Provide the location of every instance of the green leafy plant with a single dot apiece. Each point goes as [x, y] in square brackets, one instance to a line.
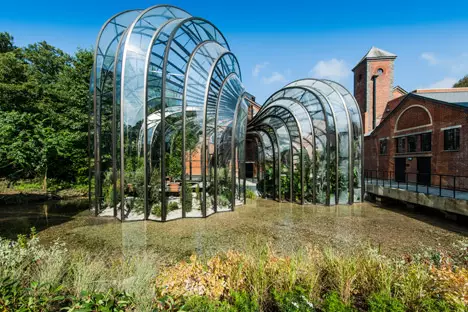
[102, 302]
[383, 302]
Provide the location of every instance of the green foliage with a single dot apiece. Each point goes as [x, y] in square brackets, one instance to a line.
[188, 205]
[102, 302]
[34, 297]
[198, 193]
[435, 305]
[204, 304]
[250, 194]
[172, 206]
[6, 42]
[383, 302]
[243, 302]
[156, 210]
[333, 303]
[44, 97]
[462, 83]
[292, 301]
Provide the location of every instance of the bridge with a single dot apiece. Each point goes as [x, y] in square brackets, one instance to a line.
[444, 192]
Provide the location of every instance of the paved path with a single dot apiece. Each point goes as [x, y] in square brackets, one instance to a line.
[412, 187]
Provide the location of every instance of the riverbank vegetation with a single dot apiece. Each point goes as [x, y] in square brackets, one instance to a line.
[44, 109]
[38, 278]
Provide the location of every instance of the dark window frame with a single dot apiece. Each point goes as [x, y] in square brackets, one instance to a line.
[401, 147]
[412, 143]
[423, 143]
[383, 146]
[452, 139]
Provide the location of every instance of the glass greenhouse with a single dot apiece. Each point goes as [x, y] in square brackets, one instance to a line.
[170, 126]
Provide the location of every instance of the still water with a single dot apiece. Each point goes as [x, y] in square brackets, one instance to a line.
[285, 227]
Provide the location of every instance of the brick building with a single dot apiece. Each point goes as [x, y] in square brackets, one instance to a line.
[410, 134]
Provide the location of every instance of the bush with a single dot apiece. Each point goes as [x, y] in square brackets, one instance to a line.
[204, 304]
[188, 197]
[156, 210]
[292, 301]
[102, 302]
[382, 302]
[172, 206]
[250, 194]
[333, 303]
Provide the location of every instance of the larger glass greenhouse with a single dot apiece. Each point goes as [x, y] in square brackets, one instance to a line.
[170, 126]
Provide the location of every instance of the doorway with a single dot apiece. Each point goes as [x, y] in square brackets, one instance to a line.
[424, 170]
[400, 169]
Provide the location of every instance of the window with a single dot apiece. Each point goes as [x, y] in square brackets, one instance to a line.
[383, 147]
[452, 139]
[412, 143]
[426, 142]
[401, 145]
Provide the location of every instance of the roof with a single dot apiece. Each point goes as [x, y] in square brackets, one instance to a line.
[402, 91]
[458, 96]
[428, 94]
[377, 54]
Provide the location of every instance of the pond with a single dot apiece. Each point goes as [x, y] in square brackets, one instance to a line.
[284, 227]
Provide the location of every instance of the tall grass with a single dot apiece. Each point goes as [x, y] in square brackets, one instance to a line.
[261, 279]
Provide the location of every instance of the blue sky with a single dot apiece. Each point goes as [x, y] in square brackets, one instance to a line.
[277, 42]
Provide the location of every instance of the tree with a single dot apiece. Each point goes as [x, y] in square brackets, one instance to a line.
[44, 101]
[6, 42]
[462, 83]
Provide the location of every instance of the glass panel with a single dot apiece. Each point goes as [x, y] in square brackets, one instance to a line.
[339, 183]
[195, 89]
[102, 117]
[230, 92]
[357, 138]
[133, 98]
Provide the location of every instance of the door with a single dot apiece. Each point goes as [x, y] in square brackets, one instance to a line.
[424, 170]
[400, 169]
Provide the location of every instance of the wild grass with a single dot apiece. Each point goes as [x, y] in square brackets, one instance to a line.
[54, 278]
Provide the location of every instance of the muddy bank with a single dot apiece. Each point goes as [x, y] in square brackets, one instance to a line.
[20, 198]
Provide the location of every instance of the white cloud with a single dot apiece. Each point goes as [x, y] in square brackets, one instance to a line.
[256, 70]
[275, 77]
[430, 58]
[447, 82]
[332, 69]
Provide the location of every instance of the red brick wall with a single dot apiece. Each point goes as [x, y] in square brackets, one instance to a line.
[384, 88]
[360, 88]
[363, 89]
[442, 162]
[413, 117]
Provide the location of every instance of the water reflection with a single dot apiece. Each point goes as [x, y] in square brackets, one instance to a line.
[18, 219]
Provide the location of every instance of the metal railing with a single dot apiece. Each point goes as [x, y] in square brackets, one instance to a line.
[443, 185]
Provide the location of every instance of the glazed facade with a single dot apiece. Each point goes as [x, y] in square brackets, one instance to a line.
[169, 125]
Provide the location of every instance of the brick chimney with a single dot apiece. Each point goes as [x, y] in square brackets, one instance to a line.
[373, 75]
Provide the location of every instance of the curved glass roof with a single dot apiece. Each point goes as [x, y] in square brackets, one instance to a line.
[170, 126]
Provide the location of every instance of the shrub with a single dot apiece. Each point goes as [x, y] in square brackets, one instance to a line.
[383, 302]
[250, 194]
[243, 302]
[35, 297]
[188, 197]
[333, 303]
[172, 206]
[204, 304]
[434, 305]
[156, 210]
[292, 301]
[102, 302]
